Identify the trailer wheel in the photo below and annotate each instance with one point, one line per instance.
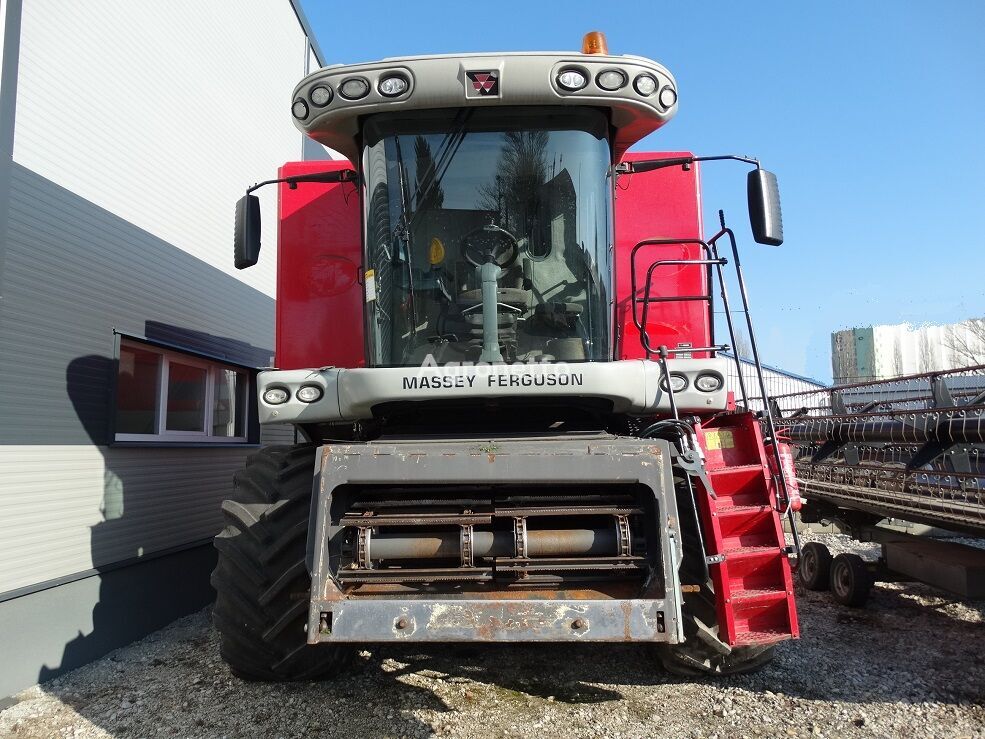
(261, 580)
(815, 566)
(695, 659)
(851, 580)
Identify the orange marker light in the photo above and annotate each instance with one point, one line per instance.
(594, 43)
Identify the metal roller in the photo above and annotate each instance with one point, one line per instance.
(447, 544)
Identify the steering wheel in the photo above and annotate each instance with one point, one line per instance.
(494, 243)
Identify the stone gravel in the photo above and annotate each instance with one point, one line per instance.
(912, 662)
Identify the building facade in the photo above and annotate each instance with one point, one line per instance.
(128, 341)
(881, 352)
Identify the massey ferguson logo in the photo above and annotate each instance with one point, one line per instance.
(483, 84)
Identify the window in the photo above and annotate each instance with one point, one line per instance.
(163, 395)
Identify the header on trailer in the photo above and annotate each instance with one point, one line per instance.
(639, 94)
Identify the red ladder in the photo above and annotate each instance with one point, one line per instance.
(744, 536)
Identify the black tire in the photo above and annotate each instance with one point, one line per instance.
(851, 580)
(814, 569)
(695, 659)
(261, 581)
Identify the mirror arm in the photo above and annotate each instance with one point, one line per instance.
(338, 175)
(648, 165)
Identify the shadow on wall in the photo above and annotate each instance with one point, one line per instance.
(135, 597)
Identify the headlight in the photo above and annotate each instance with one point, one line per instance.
(392, 86)
(645, 84)
(321, 96)
(572, 79)
(276, 396)
(709, 383)
(354, 88)
(300, 109)
(309, 393)
(668, 97)
(678, 383)
(611, 79)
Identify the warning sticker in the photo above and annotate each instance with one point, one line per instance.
(370, 285)
(720, 439)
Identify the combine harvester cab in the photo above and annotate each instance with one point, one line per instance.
(494, 331)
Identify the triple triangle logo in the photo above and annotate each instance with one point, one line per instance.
(484, 82)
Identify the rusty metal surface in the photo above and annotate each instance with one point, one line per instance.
(415, 469)
(369, 620)
(610, 590)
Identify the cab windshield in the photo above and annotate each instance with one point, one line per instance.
(488, 234)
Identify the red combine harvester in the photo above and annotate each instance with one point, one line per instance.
(494, 331)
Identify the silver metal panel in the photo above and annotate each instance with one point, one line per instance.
(633, 386)
(497, 621)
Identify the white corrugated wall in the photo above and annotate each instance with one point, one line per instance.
(162, 112)
(157, 115)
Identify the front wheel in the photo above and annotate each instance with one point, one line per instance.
(261, 581)
(695, 659)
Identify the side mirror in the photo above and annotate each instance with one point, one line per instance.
(764, 208)
(246, 238)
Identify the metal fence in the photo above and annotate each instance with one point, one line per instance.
(777, 381)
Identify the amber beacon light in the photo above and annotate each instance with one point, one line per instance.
(594, 43)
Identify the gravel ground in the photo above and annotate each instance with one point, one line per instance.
(911, 663)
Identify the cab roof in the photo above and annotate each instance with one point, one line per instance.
(641, 94)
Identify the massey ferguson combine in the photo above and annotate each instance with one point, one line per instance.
(495, 334)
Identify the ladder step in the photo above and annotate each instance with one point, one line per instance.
(761, 638)
(743, 510)
(753, 552)
(765, 595)
(739, 468)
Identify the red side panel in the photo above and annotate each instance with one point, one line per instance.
(661, 204)
(319, 291)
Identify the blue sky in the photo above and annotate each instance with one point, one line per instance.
(872, 115)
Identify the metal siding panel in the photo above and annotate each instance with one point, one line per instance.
(281, 433)
(74, 272)
(49, 632)
(146, 140)
(121, 217)
(68, 509)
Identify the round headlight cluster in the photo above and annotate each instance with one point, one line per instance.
(321, 96)
(276, 396)
(393, 86)
(572, 79)
(299, 109)
(354, 88)
(645, 84)
(667, 97)
(709, 383)
(678, 383)
(309, 393)
(611, 79)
